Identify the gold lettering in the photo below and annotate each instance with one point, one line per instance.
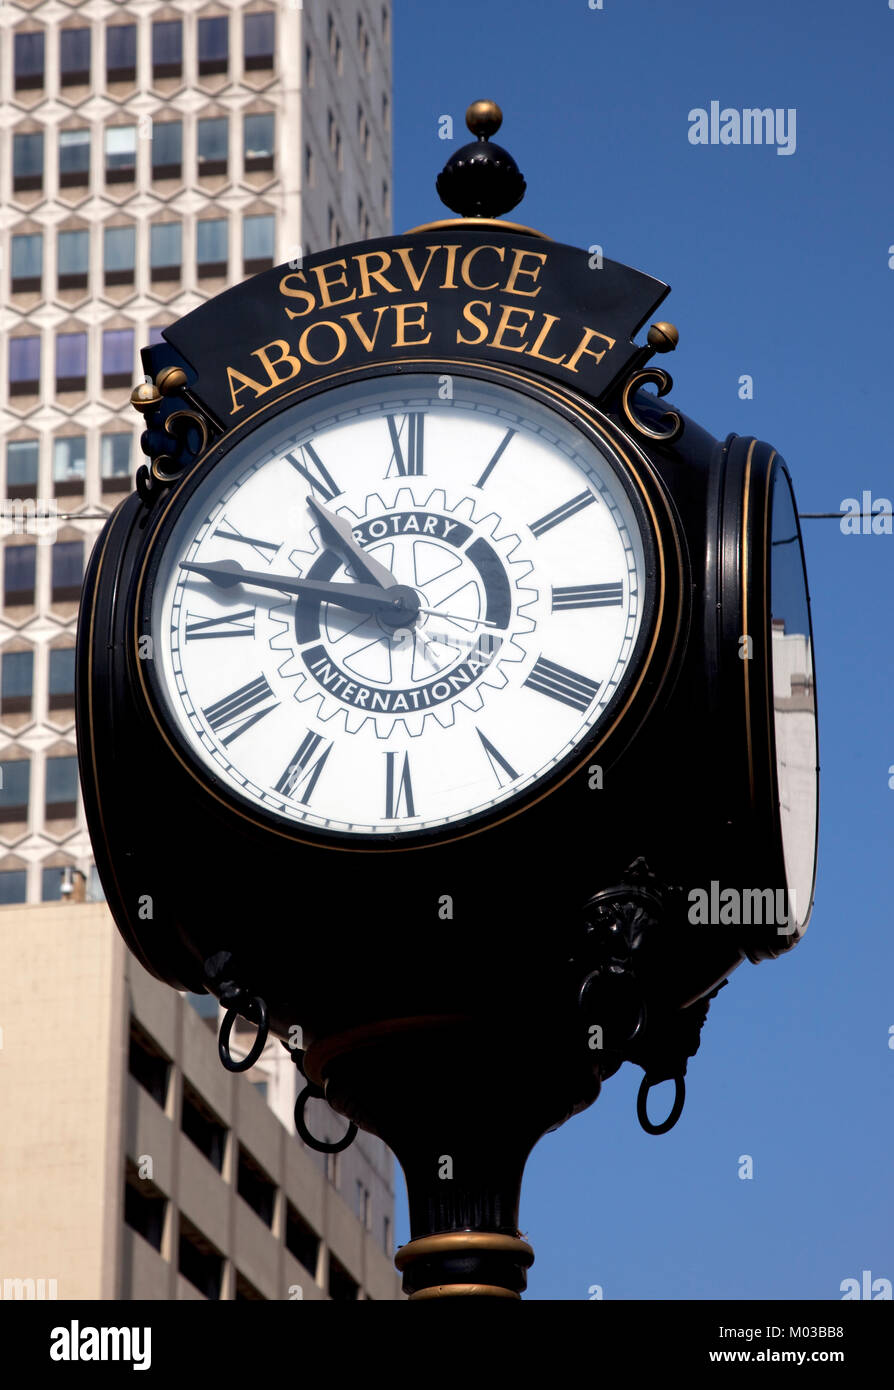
(354, 320)
(449, 283)
(467, 261)
(366, 275)
(285, 357)
(504, 326)
(286, 288)
(248, 383)
(582, 349)
(341, 338)
(400, 310)
(477, 322)
(542, 336)
(404, 252)
(517, 269)
(326, 300)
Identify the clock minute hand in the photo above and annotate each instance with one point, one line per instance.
(359, 598)
(338, 534)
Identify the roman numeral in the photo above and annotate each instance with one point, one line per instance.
(568, 687)
(496, 458)
(403, 791)
(314, 471)
(241, 624)
(496, 759)
(228, 532)
(241, 709)
(567, 509)
(588, 596)
(408, 460)
(303, 768)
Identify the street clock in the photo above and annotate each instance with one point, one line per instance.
(437, 682)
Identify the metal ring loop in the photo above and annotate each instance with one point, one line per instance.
(257, 1047)
(312, 1092)
(676, 1109)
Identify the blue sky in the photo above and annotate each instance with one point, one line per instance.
(778, 266)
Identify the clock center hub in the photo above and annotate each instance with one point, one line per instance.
(403, 610)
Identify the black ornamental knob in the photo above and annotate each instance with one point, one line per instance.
(481, 179)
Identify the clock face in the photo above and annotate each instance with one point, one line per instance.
(400, 605)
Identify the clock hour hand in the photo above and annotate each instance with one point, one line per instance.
(359, 598)
(337, 533)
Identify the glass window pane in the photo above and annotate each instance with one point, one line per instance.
(74, 50)
(24, 359)
(258, 136)
(115, 454)
(167, 43)
(51, 885)
(21, 463)
(27, 154)
(27, 256)
(121, 146)
(17, 674)
(15, 779)
(119, 248)
(68, 564)
(70, 459)
(13, 886)
(117, 351)
(62, 671)
(121, 46)
(211, 241)
(156, 336)
(259, 35)
(29, 54)
(71, 354)
(164, 244)
(73, 251)
(213, 39)
(213, 138)
(18, 570)
(257, 238)
(62, 780)
(167, 143)
(74, 151)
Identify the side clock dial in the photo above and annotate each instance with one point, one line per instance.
(402, 606)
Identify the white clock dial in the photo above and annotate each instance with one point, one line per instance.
(398, 606)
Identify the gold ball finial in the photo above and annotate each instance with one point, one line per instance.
(170, 379)
(663, 337)
(484, 119)
(144, 397)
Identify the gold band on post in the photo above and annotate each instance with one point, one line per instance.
(460, 1242)
(470, 1290)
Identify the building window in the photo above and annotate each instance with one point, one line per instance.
(74, 57)
(21, 468)
(16, 683)
(72, 253)
(114, 460)
(213, 145)
(74, 158)
(28, 50)
(198, 1121)
(27, 262)
(121, 53)
(166, 251)
(51, 881)
(386, 196)
(309, 171)
(144, 1206)
(24, 366)
(167, 48)
(117, 357)
(212, 250)
(69, 464)
(19, 563)
(364, 1207)
(119, 249)
(334, 229)
(386, 23)
(62, 678)
(258, 142)
(258, 40)
(121, 153)
(27, 161)
(386, 111)
(302, 1240)
(156, 335)
(148, 1064)
(257, 243)
(13, 886)
(167, 149)
(255, 1186)
(71, 361)
(68, 570)
(198, 1260)
(15, 783)
(61, 788)
(342, 1288)
(386, 1235)
(308, 65)
(332, 1168)
(214, 44)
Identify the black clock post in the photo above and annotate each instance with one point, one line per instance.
(472, 690)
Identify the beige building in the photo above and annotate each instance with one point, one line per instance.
(151, 154)
(133, 1166)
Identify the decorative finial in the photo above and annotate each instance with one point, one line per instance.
(481, 179)
(663, 337)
